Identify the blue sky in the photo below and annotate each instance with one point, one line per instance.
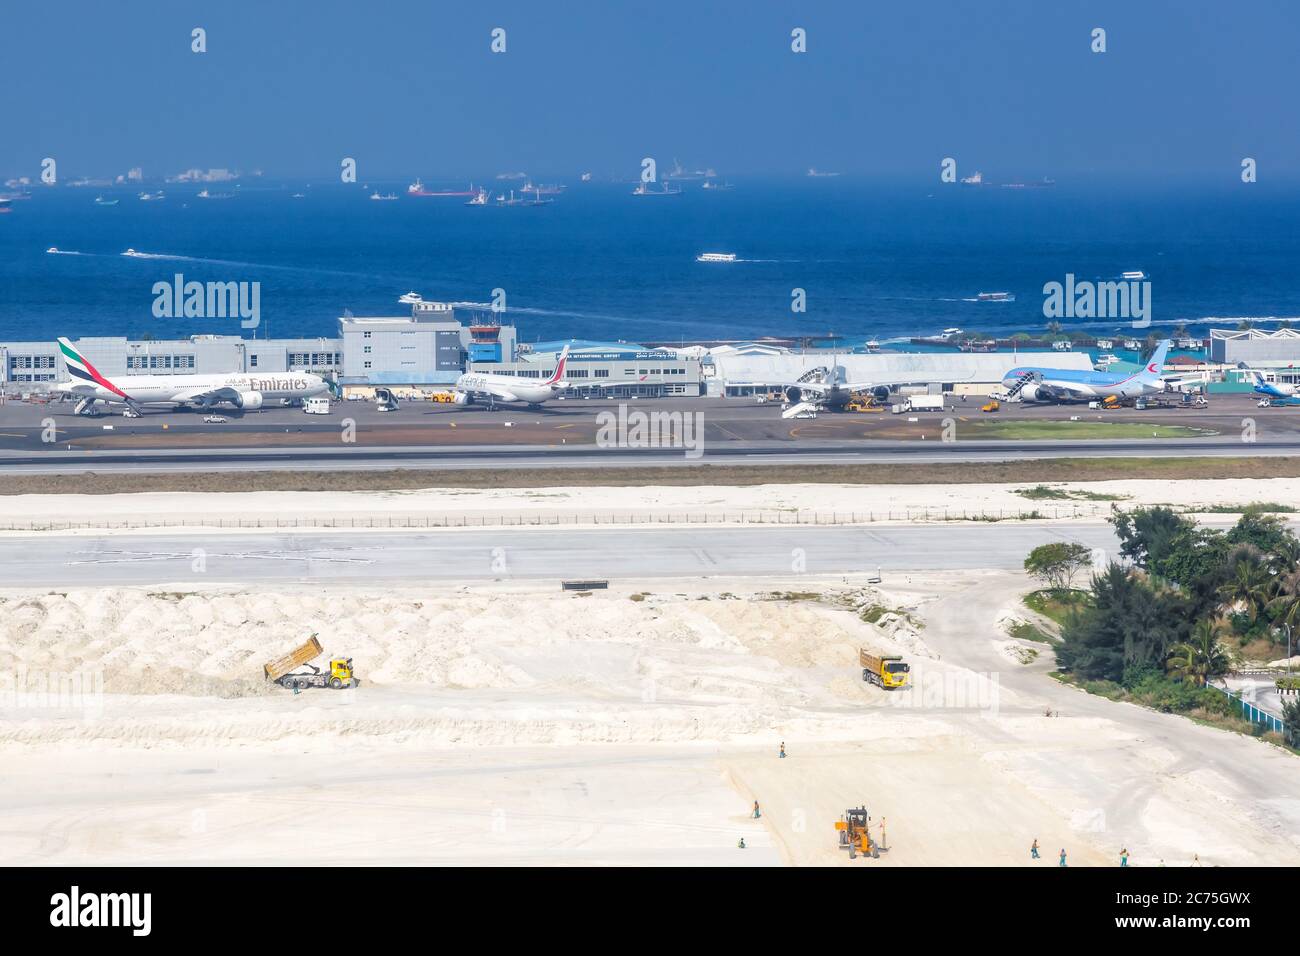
(1184, 91)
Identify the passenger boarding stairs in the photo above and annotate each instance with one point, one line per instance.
(1013, 393)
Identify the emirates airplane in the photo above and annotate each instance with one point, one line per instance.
(511, 388)
(243, 391)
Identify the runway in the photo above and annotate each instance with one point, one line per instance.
(369, 458)
(525, 554)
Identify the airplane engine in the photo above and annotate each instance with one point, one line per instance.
(881, 393)
(794, 395)
(460, 398)
(249, 401)
(1029, 393)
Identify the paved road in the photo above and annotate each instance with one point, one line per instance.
(370, 458)
(58, 560)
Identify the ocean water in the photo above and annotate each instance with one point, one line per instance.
(882, 261)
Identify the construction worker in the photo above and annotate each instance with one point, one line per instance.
(1033, 851)
(757, 812)
(1123, 857)
(783, 750)
(1196, 859)
(1063, 863)
(741, 844)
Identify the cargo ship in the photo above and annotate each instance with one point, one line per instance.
(417, 189)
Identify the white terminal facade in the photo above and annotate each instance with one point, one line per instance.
(436, 342)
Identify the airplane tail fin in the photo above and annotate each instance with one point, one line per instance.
(1156, 364)
(82, 371)
(559, 367)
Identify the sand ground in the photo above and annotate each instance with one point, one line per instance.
(880, 503)
(507, 724)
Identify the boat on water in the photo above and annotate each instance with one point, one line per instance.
(205, 194)
(872, 346)
(714, 184)
(1136, 274)
(544, 189)
(996, 297)
(586, 177)
(979, 346)
(814, 173)
(5, 206)
(418, 188)
(1104, 362)
(101, 201)
(150, 197)
(131, 253)
(665, 189)
(481, 199)
(716, 257)
(385, 197)
(297, 196)
(410, 298)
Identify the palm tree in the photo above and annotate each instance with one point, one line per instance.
(1201, 656)
(1251, 583)
(1291, 721)
(1286, 601)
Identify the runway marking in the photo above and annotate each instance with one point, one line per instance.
(128, 557)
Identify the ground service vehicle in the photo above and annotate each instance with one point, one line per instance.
(884, 670)
(854, 832)
(282, 669)
(992, 406)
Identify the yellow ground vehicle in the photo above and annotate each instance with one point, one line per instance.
(443, 398)
(864, 405)
(855, 836)
(992, 406)
(884, 670)
(282, 669)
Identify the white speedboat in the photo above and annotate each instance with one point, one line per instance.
(716, 257)
(1136, 274)
(135, 255)
(53, 250)
(410, 298)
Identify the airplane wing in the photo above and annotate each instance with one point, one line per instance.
(207, 396)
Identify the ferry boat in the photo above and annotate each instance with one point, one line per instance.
(996, 297)
(665, 190)
(386, 197)
(716, 257)
(1136, 274)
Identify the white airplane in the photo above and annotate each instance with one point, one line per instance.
(834, 390)
(511, 388)
(1040, 384)
(243, 391)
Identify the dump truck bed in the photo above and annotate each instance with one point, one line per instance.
(295, 658)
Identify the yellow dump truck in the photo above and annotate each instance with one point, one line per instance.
(284, 670)
(883, 670)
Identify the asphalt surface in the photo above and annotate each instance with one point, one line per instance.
(49, 439)
(506, 553)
